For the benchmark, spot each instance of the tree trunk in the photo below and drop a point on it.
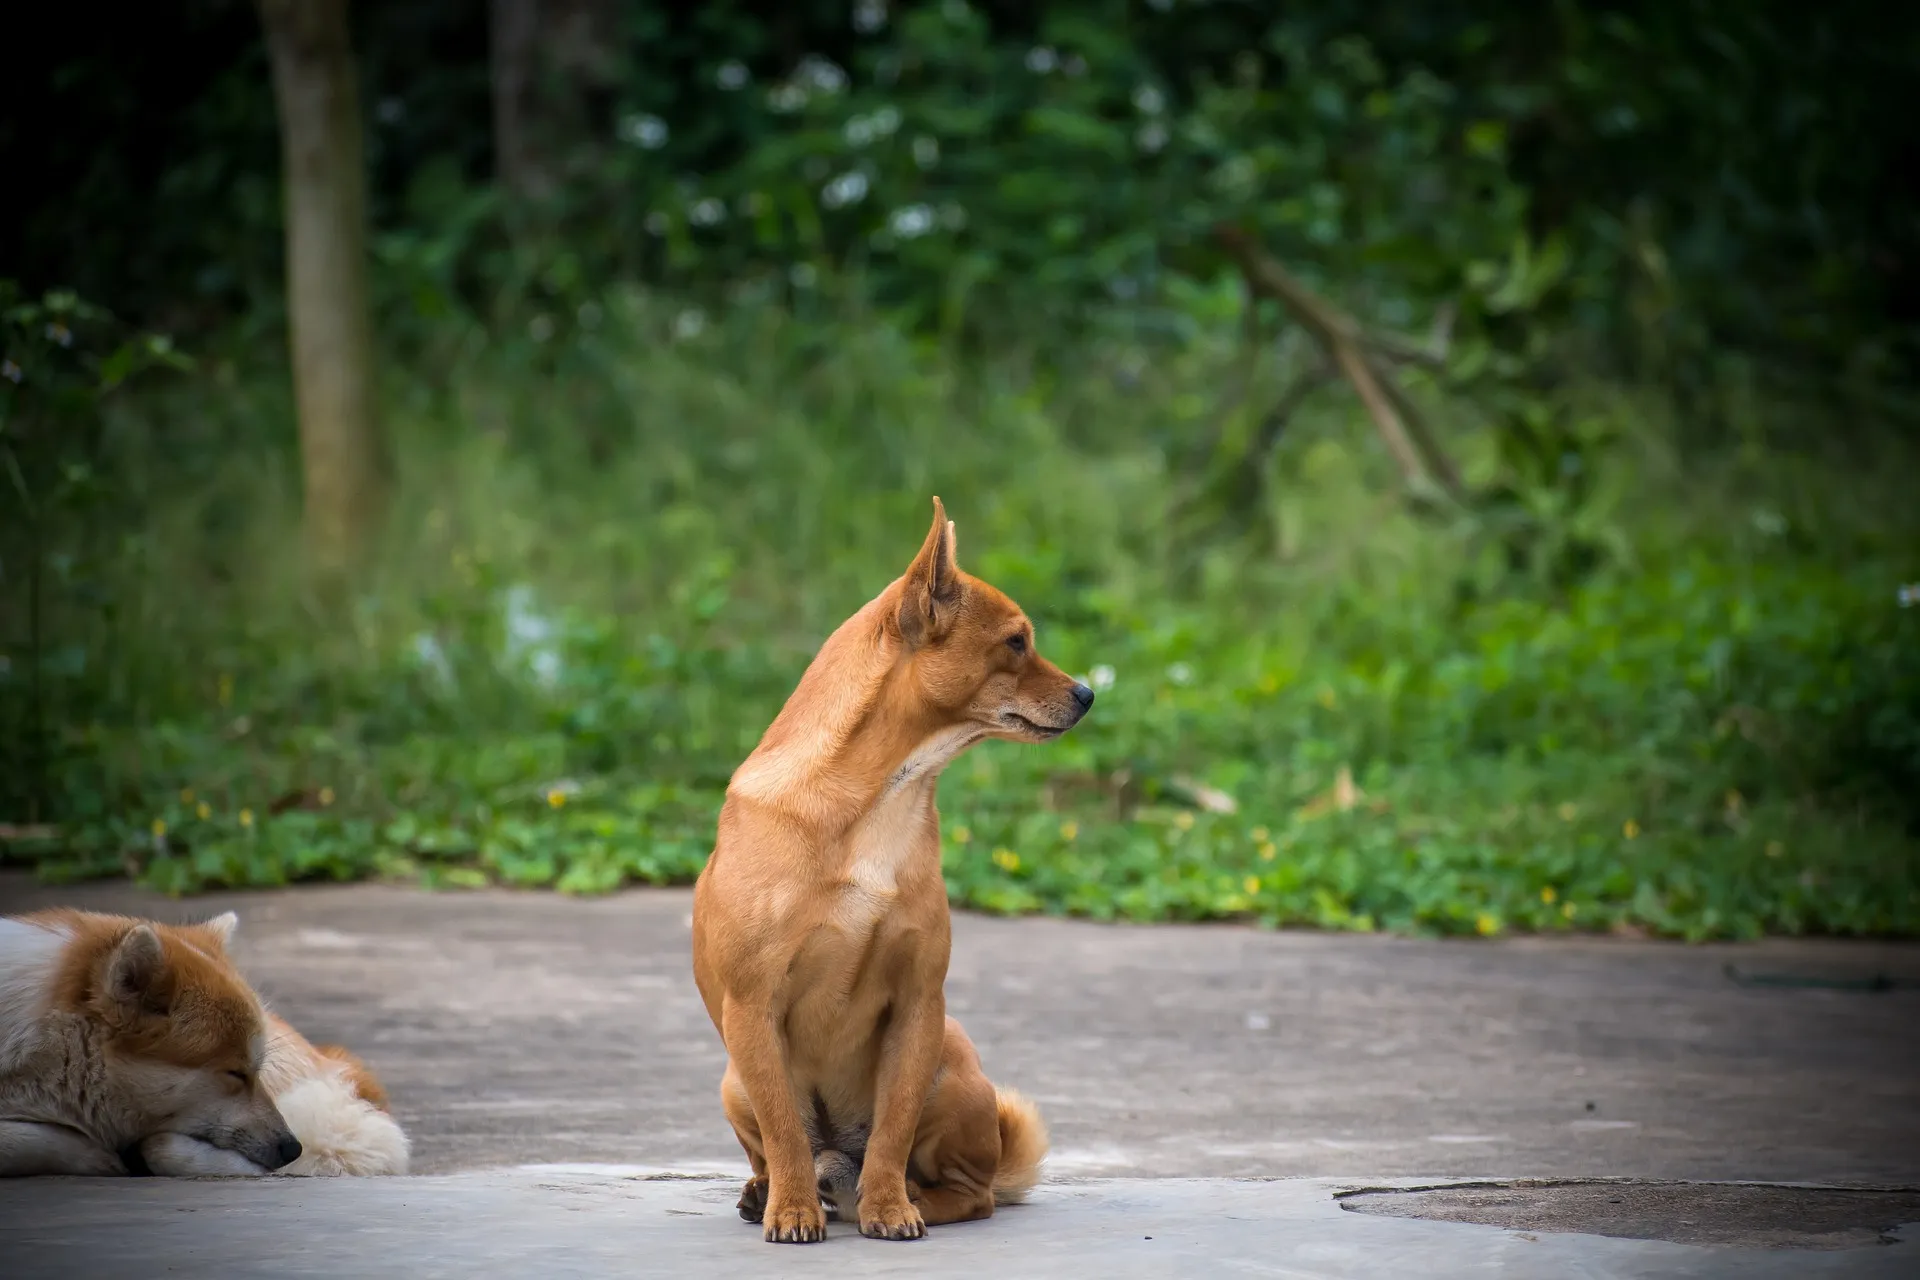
(342, 452)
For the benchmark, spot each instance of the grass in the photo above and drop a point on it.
(612, 555)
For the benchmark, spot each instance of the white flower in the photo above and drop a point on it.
(910, 222)
(1909, 595)
(849, 188)
(731, 75)
(1180, 673)
(869, 16)
(1041, 59)
(1101, 677)
(689, 324)
(707, 212)
(815, 72)
(645, 131)
(1148, 100)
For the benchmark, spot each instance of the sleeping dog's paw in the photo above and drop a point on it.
(175, 1155)
(838, 1178)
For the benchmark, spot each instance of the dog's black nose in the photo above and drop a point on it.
(288, 1151)
(1083, 696)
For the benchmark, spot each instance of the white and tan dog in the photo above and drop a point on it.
(129, 1046)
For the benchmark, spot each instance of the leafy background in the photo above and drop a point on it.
(791, 269)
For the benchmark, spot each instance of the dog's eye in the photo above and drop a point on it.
(238, 1076)
(1017, 642)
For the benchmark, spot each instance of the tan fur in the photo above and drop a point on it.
(120, 1035)
(821, 930)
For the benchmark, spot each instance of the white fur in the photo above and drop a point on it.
(29, 955)
(175, 1155)
(340, 1132)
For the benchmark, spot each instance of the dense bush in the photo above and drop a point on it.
(572, 638)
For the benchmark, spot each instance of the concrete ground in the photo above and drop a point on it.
(531, 1030)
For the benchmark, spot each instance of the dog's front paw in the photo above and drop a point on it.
(891, 1218)
(753, 1199)
(788, 1223)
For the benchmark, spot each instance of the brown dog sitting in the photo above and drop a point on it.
(820, 925)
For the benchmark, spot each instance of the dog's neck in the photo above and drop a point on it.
(841, 745)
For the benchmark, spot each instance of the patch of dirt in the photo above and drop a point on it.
(1742, 1215)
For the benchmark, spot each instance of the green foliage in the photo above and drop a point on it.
(1711, 734)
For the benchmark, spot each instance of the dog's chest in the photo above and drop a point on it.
(884, 850)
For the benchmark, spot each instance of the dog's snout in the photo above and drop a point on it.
(287, 1151)
(1083, 695)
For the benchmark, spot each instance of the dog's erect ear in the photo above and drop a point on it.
(222, 927)
(932, 584)
(136, 974)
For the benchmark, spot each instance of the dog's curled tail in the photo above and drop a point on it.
(1023, 1145)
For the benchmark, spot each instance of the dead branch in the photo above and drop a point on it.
(1347, 344)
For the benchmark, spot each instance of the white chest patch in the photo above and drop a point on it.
(892, 832)
(28, 958)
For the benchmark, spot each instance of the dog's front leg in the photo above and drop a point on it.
(909, 1056)
(175, 1155)
(28, 1147)
(752, 1033)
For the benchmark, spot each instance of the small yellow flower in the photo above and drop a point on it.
(1267, 851)
(961, 835)
(1069, 830)
(203, 811)
(326, 795)
(159, 828)
(1566, 910)
(1568, 811)
(1259, 835)
(1184, 820)
(1486, 925)
(246, 817)
(1252, 885)
(1631, 830)
(556, 797)
(186, 795)
(1547, 895)
(1006, 859)
(1775, 848)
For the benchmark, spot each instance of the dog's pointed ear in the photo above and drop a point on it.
(932, 583)
(222, 927)
(136, 973)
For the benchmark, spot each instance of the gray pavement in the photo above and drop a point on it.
(520, 1030)
(559, 1226)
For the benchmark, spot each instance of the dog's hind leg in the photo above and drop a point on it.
(28, 1147)
(733, 1097)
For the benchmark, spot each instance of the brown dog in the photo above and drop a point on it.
(820, 925)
